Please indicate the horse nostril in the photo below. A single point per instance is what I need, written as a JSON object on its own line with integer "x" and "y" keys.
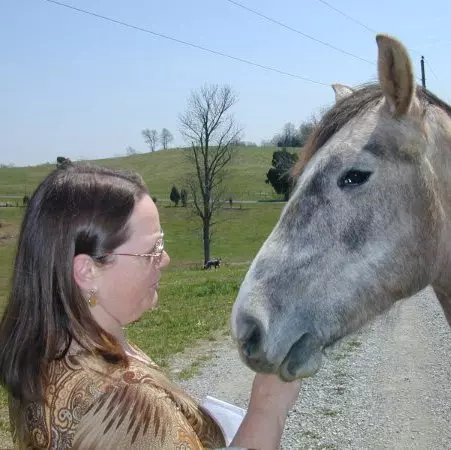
{"x": 251, "y": 337}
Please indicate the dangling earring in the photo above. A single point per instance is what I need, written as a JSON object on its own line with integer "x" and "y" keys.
{"x": 92, "y": 299}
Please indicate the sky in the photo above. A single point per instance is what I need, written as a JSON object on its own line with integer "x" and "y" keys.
{"x": 82, "y": 87}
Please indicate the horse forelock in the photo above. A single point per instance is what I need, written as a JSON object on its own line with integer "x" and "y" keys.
{"x": 360, "y": 101}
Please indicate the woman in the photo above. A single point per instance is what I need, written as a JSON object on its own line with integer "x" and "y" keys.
{"x": 88, "y": 263}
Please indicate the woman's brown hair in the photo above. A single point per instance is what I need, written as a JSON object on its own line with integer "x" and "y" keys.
{"x": 77, "y": 209}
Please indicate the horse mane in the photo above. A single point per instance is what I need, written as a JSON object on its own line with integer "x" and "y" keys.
{"x": 362, "y": 99}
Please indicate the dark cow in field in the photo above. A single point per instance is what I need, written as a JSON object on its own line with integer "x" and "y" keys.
{"x": 216, "y": 263}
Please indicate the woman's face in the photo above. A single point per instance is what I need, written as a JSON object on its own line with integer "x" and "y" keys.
{"x": 127, "y": 287}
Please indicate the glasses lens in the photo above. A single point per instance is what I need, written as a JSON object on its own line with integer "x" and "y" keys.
{"x": 161, "y": 246}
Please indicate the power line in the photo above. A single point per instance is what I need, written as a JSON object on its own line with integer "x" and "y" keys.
{"x": 347, "y": 16}
{"x": 357, "y": 21}
{"x": 190, "y": 44}
{"x": 371, "y": 30}
{"x": 435, "y": 76}
{"x": 432, "y": 44}
{"x": 430, "y": 68}
{"x": 315, "y": 39}
{"x": 308, "y": 36}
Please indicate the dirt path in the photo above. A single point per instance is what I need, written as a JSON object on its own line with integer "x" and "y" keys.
{"x": 386, "y": 387}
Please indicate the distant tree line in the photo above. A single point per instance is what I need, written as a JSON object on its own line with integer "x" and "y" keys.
{"x": 283, "y": 160}
{"x": 290, "y": 136}
{"x": 151, "y": 138}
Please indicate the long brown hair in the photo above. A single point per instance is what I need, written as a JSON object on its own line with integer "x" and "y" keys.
{"x": 77, "y": 209}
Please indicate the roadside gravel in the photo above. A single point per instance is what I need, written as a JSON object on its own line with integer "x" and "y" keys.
{"x": 386, "y": 387}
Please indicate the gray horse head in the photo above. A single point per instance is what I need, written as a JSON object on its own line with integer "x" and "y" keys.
{"x": 365, "y": 225}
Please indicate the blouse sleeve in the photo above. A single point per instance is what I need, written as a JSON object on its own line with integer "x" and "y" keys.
{"x": 135, "y": 416}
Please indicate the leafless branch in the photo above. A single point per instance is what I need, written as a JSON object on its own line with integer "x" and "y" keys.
{"x": 211, "y": 131}
{"x": 197, "y": 202}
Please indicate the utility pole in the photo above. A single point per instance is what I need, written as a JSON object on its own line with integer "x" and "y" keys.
{"x": 423, "y": 75}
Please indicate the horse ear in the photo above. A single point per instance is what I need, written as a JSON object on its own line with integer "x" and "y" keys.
{"x": 341, "y": 91}
{"x": 395, "y": 74}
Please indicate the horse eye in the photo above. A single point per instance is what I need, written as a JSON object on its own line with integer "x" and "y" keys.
{"x": 353, "y": 178}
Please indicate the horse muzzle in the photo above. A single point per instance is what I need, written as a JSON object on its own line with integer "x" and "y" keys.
{"x": 303, "y": 358}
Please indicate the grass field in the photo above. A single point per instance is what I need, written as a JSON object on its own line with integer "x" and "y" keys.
{"x": 194, "y": 304}
{"x": 162, "y": 169}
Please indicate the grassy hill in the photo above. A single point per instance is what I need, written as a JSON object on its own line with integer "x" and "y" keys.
{"x": 162, "y": 169}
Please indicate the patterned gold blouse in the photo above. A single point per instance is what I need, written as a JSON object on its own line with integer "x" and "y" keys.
{"x": 91, "y": 404}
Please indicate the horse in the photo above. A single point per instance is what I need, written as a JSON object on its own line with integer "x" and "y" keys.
{"x": 216, "y": 263}
{"x": 368, "y": 223}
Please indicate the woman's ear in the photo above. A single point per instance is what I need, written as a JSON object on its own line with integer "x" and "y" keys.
{"x": 84, "y": 271}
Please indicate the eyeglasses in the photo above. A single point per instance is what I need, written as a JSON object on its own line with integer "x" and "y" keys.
{"x": 157, "y": 253}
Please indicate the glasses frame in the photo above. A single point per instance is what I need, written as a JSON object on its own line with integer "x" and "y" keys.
{"x": 159, "y": 245}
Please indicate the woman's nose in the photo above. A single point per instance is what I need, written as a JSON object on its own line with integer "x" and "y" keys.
{"x": 165, "y": 259}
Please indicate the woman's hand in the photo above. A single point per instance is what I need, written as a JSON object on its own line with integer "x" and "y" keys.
{"x": 272, "y": 395}
{"x": 271, "y": 399}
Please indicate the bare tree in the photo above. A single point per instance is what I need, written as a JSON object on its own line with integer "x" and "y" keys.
{"x": 130, "y": 151}
{"x": 307, "y": 127}
{"x": 150, "y": 138}
{"x": 211, "y": 130}
{"x": 166, "y": 138}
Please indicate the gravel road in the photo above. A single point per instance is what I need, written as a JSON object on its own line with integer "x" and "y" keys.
{"x": 386, "y": 387}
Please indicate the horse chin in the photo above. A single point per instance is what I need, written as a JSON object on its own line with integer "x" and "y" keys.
{"x": 303, "y": 360}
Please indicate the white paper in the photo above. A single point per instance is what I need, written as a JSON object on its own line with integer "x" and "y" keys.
{"x": 228, "y": 416}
